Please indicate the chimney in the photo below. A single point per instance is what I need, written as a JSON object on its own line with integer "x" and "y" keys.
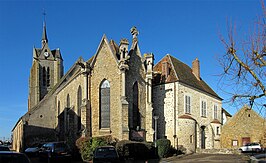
{"x": 196, "y": 68}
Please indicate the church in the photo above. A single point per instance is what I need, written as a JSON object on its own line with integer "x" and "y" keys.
{"x": 118, "y": 92}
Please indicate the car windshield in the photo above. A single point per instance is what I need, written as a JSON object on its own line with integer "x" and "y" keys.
{"x": 105, "y": 152}
{"x": 13, "y": 158}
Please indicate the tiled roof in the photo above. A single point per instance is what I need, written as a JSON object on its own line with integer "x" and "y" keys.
{"x": 185, "y": 116}
{"x": 185, "y": 75}
{"x": 216, "y": 121}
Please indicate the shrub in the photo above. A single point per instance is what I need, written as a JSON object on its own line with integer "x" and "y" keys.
{"x": 135, "y": 150}
{"x": 87, "y": 145}
{"x": 163, "y": 146}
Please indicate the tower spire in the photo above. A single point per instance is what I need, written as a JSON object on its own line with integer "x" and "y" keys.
{"x": 44, "y": 35}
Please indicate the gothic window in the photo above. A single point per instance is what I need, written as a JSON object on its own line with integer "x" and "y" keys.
{"x": 66, "y": 113}
{"x": 203, "y": 108}
{"x": 68, "y": 101}
{"x": 79, "y": 102}
{"x": 43, "y": 76}
{"x": 187, "y": 104}
{"x": 48, "y": 76}
{"x": 215, "y": 108}
{"x": 105, "y": 104}
{"x": 136, "y": 114}
{"x": 58, "y": 109}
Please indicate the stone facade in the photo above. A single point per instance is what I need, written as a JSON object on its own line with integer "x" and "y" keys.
{"x": 180, "y": 126}
{"x": 244, "y": 127}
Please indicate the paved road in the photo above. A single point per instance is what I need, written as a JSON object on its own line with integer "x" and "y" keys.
{"x": 194, "y": 158}
{"x": 208, "y": 158}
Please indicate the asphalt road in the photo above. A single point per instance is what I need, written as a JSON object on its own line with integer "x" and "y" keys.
{"x": 208, "y": 158}
{"x": 193, "y": 158}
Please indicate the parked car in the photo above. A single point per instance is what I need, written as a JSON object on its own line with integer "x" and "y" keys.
{"x": 13, "y": 157}
{"x": 4, "y": 148}
{"x": 105, "y": 154}
{"x": 260, "y": 158}
{"x": 55, "y": 151}
{"x": 33, "y": 151}
{"x": 250, "y": 147}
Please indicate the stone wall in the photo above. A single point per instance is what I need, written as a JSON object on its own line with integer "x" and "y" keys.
{"x": 187, "y": 134}
{"x": 165, "y": 106}
{"x": 169, "y": 104}
{"x": 66, "y": 117}
{"x": 17, "y": 143}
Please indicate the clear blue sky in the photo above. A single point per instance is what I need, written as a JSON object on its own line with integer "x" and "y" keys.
{"x": 184, "y": 29}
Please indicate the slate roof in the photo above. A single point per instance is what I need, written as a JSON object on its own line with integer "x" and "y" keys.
{"x": 56, "y": 52}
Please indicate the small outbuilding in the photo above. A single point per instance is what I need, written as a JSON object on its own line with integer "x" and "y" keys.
{"x": 244, "y": 127}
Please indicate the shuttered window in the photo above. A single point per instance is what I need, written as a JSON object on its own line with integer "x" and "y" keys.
{"x": 203, "y": 109}
{"x": 187, "y": 104}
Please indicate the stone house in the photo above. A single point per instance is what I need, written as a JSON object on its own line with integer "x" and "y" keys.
{"x": 244, "y": 127}
{"x": 189, "y": 110}
{"x": 117, "y": 92}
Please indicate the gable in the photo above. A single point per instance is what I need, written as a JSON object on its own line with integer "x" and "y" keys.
{"x": 160, "y": 76}
{"x": 104, "y": 52}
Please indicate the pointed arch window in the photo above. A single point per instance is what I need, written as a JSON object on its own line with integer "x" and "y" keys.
{"x": 136, "y": 113}
{"x": 68, "y": 101}
{"x": 48, "y": 76}
{"x": 79, "y": 102}
{"x": 43, "y": 76}
{"x": 105, "y": 104}
{"x": 66, "y": 113}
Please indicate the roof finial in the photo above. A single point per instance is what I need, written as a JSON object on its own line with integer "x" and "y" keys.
{"x": 134, "y": 32}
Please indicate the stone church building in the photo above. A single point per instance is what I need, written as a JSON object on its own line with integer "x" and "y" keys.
{"x": 118, "y": 92}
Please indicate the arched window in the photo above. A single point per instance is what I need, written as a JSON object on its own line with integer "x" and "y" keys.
{"x": 79, "y": 102}
{"x": 58, "y": 109}
{"x": 66, "y": 113}
{"x": 136, "y": 114}
{"x": 48, "y": 76}
{"x": 105, "y": 104}
{"x": 43, "y": 76}
{"x": 68, "y": 101}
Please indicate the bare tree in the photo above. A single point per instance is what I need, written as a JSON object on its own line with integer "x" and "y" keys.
{"x": 244, "y": 63}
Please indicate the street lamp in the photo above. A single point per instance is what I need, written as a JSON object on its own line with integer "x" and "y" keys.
{"x": 156, "y": 117}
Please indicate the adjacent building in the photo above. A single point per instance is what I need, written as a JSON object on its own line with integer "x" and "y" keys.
{"x": 190, "y": 112}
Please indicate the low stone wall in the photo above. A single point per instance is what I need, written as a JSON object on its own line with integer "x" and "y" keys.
{"x": 218, "y": 151}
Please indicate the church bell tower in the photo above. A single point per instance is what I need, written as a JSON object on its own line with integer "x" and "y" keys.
{"x": 46, "y": 71}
